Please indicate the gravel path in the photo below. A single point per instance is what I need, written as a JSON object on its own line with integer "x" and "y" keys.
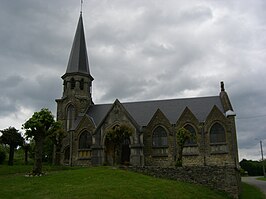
{"x": 258, "y": 183}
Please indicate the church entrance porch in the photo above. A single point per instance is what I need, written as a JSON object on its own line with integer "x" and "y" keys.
{"x": 125, "y": 152}
{"x": 117, "y": 154}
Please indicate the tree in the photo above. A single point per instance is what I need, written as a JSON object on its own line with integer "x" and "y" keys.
{"x": 48, "y": 149}
{"x": 56, "y": 136}
{"x": 182, "y": 136}
{"x": 2, "y": 155}
{"x": 13, "y": 138}
{"x": 26, "y": 148}
{"x": 38, "y": 127}
{"x": 117, "y": 135}
{"x": 254, "y": 168}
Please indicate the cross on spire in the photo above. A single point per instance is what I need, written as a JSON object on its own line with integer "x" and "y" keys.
{"x": 81, "y": 2}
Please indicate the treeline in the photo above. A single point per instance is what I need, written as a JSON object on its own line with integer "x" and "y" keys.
{"x": 24, "y": 154}
{"x": 43, "y": 140}
{"x": 253, "y": 168}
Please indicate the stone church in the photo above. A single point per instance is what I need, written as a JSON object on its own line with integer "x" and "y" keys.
{"x": 211, "y": 121}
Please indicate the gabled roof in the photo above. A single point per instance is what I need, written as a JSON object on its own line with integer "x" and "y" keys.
{"x": 118, "y": 103}
{"x": 78, "y": 59}
{"x": 142, "y": 112}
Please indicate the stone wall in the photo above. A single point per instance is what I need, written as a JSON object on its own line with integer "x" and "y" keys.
{"x": 222, "y": 178}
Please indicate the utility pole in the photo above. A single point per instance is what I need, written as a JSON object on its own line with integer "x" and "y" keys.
{"x": 262, "y": 159}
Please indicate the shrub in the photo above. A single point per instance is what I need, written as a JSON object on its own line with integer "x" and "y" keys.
{"x": 2, "y": 156}
{"x": 178, "y": 163}
{"x": 254, "y": 168}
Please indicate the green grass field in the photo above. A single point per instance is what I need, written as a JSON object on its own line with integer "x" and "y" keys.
{"x": 100, "y": 182}
{"x": 262, "y": 178}
{"x": 96, "y": 182}
{"x": 249, "y": 191}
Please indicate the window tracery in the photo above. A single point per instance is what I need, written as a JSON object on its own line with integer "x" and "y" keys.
{"x": 217, "y": 133}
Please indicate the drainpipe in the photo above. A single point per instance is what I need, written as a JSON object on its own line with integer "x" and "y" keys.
{"x": 204, "y": 143}
{"x": 71, "y": 147}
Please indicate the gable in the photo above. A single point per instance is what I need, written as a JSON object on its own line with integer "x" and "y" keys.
{"x": 85, "y": 122}
{"x": 187, "y": 117}
{"x": 158, "y": 119}
{"x": 116, "y": 114}
{"x": 215, "y": 114}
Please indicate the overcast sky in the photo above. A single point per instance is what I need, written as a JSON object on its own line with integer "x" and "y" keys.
{"x": 138, "y": 50}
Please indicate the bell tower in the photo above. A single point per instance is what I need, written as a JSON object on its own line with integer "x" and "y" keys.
{"x": 77, "y": 81}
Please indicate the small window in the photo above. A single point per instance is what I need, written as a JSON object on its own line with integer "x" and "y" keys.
{"x": 85, "y": 140}
{"x": 72, "y": 83}
{"x": 70, "y": 117}
{"x": 159, "y": 137}
{"x": 81, "y": 85}
{"x": 217, "y": 133}
{"x": 193, "y": 139}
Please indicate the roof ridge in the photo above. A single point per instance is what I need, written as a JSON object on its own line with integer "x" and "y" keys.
{"x": 160, "y": 100}
{"x": 172, "y": 99}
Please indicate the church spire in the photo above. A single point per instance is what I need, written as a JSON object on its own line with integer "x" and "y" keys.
{"x": 78, "y": 60}
{"x": 77, "y": 80}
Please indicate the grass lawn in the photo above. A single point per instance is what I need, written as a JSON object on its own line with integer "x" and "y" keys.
{"x": 23, "y": 169}
{"x": 97, "y": 182}
{"x": 262, "y": 178}
{"x": 249, "y": 191}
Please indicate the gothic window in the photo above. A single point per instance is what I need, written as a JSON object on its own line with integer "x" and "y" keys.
{"x": 70, "y": 116}
{"x": 192, "y": 140}
{"x": 159, "y": 137}
{"x": 81, "y": 85}
{"x": 72, "y": 83}
{"x": 85, "y": 140}
{"x": 217, "y": 133}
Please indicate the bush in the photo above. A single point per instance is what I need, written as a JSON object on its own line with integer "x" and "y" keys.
{"x": 178, "y": 163}
{"x": 254, "y": 168}
{"x": 2, "y": 156}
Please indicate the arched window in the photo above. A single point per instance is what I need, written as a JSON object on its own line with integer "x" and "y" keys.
{"x": 72, "y": 83}
{"x": 85, "y": 140}
{"x": 70, "y": 116}
{"x": 81, "y": 85}
{"x": 217, "y": 133}
{"x": 193, "y": 138}
{"x": 159, "y": 137}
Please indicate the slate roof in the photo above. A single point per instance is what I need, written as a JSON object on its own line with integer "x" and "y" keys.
{"x": 78, "y": 59}
{"x": 142, "y": 112}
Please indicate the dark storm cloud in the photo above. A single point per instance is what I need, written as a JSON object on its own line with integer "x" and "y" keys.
{"x": 34, "y": 47}
{"x": 138, "y": 50}
{"x": 32, "y": 33}
{"x": 7, "y": 104}
{"x": 30, "y": 93}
